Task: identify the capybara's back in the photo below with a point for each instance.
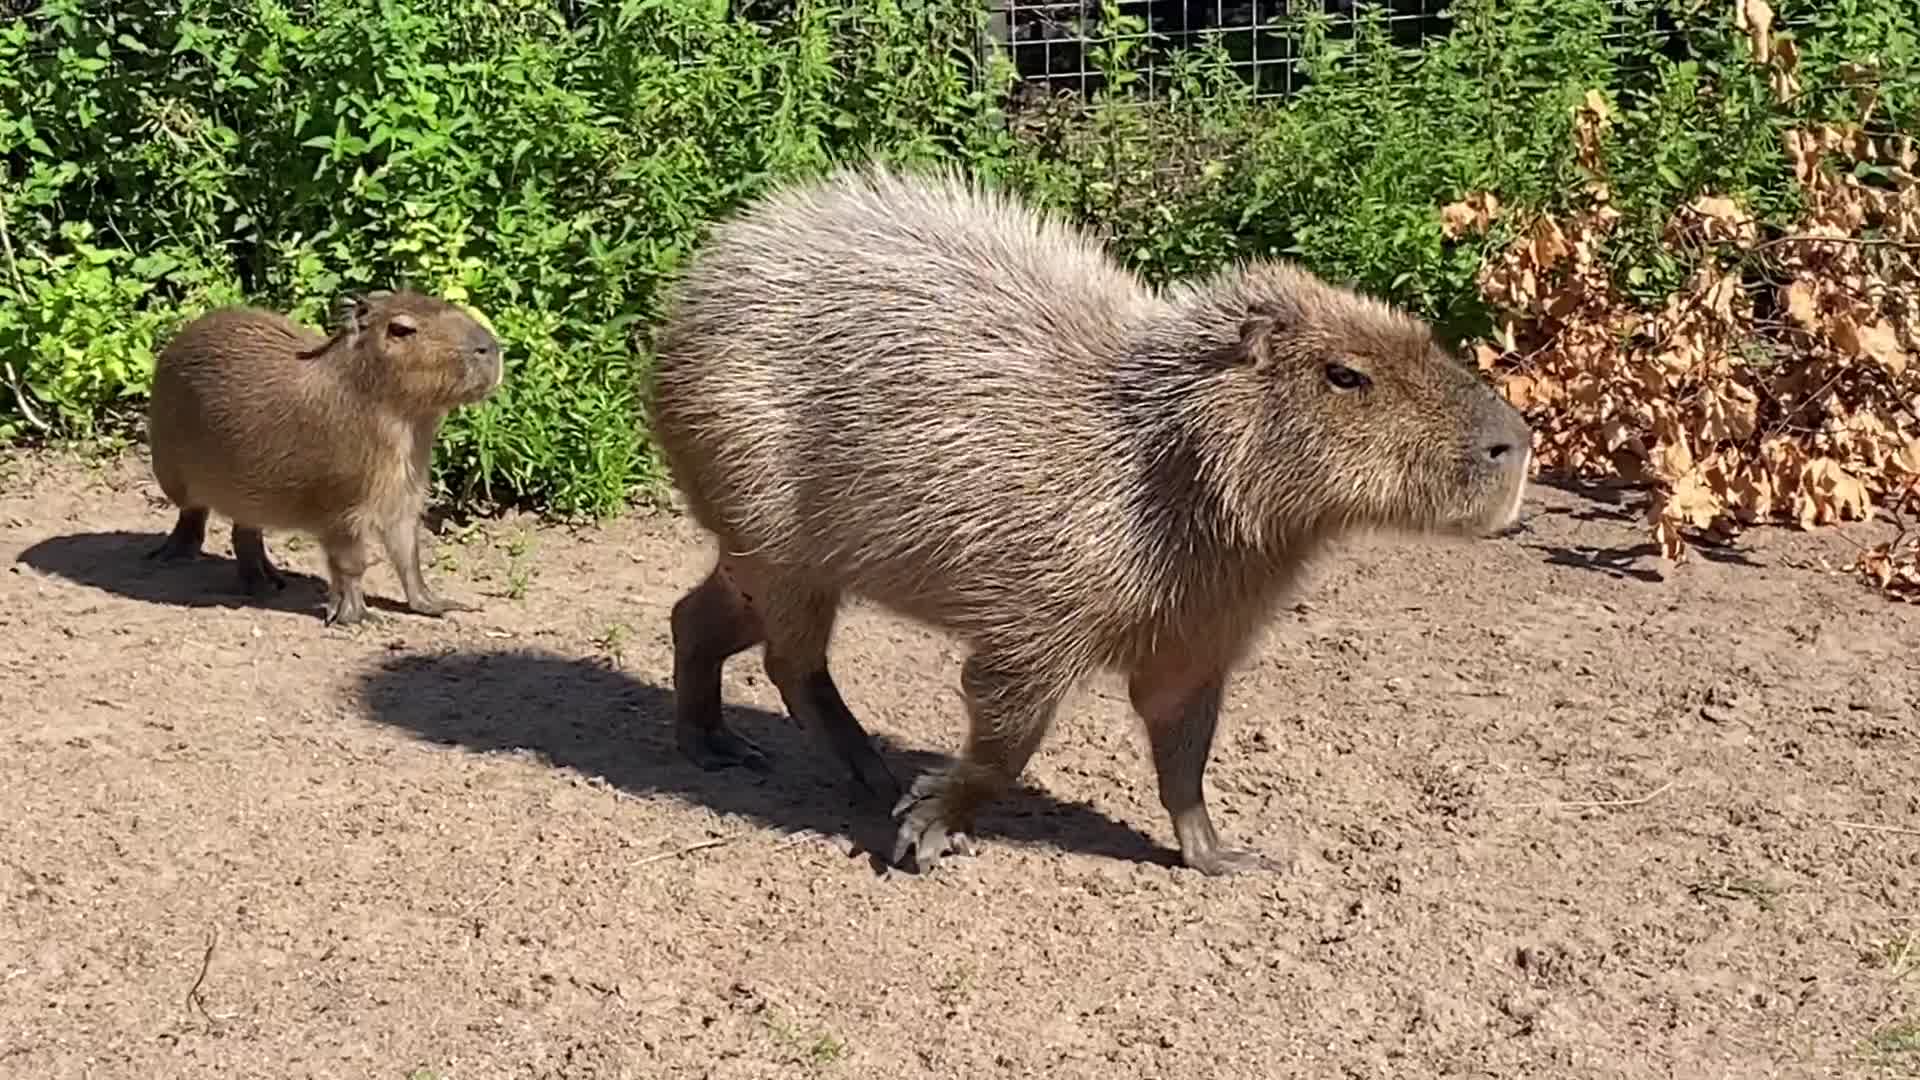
(232, 420)
(880, 379)
(920, 391)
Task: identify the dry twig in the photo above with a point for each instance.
(194, 999)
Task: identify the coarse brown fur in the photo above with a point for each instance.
(276, 426)
(918, 391)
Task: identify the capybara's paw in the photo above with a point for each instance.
(718, 748)
(349, 611)
(928, 830)
(1226, 861)
(436, 606)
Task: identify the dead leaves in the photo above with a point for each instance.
(1729, 413)
(1829, 493)
(1470, 216)
(1894, 568)
(1781, 57)
(1756, 19)
(1713, 220)
(1876, 342)
(1778, 382)
(1802, 305)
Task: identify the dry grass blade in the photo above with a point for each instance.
(702, 845)
(1864, 826)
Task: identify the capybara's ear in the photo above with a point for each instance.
(346, 314)
(400, 325)
(1257, 328)
(361, 306)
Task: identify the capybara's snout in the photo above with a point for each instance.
(485, 363)
(1502, 453)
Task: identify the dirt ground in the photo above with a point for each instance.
(1547, 810)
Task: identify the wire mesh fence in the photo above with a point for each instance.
(1066, 46)
(1057, 45)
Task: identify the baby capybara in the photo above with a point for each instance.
(276, 426)
(916, 390)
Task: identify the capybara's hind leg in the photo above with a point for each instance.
(257, 572)
(188, 536)
(1181, 707)
(798, 621)
(1009, 710)
(711, 623)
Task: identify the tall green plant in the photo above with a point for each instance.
(551, 173)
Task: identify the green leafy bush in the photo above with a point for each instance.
(553, 163)
(550, 173)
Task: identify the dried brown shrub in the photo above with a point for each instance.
(1803, 406)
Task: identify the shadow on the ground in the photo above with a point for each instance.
(1621, 561)
(1615, 562)
(1594, 512)
(116, 562)
(579, 714)
(1599, 500)
(1608, 503)
(1608, 492)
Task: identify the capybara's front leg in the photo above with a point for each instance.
(1009, 709)
(1180, 703)
(346, 574)
(401, 538)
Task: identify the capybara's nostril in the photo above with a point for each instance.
(1499, 451)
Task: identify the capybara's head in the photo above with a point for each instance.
(430, 353)
(1361, 420)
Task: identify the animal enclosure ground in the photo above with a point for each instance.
(1544, 814)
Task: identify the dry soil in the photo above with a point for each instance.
(1546, 808)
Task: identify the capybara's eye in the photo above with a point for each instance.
(1345, 378)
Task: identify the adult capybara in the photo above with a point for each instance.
(915, 390)
(276, 426)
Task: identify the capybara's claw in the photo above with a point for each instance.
(350, 611)
(438, 606)
(927, 831)
(1225, 861)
